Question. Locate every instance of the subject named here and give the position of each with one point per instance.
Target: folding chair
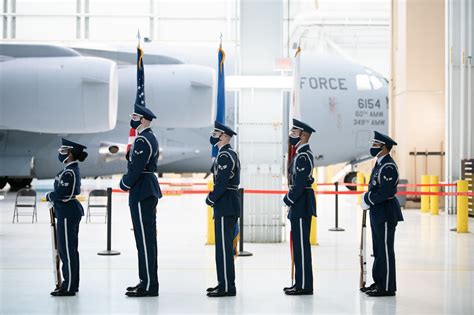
(97, 199)
(25, 199)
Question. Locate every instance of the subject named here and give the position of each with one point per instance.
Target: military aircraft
(87, 93)
(345, 102)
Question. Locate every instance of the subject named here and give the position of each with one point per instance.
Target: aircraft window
(376, 83)
(363, 82)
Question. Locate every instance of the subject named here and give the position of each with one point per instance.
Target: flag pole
(138, 38)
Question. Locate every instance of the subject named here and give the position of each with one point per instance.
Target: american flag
(140, 98)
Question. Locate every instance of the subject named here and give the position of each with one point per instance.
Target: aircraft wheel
(3, 182)
(351, 177)
(19, 183)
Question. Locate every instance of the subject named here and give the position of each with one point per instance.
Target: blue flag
(220, 115)
(140, 99)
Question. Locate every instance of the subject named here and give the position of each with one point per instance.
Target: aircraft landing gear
(19, 183)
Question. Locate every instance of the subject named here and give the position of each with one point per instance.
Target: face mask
(294, 141)
(135, 123)
(214, 140)
(62, 157)
(375, 151)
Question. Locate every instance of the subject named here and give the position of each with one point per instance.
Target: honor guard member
(68, 211)
(385, 213)
(302, 206)
(144, 191)
(226, 203)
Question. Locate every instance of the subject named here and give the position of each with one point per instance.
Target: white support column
(462, 80)
(469, 87)
(13, 19)
(78, 19)
(5, 19)
(86, 19)
(260, 116)
(448, 104)
(459, 47)
(152, 20)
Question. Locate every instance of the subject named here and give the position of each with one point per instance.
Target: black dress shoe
(135, 288)
(289, 288)
(62, 292)
(299, 292)
(372, 287)
(221, 293)
(378, 292)
(141, 293)
(212, 289)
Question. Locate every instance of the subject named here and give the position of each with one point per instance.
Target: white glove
(363, 205)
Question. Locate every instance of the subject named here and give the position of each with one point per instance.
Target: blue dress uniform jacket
(384, 206)
(226, 173)
(300, 197)
(68, 211)
(145, 191)
(140, 178)
(67, 185)
(302, 206)
(226, 203)
(385, 213)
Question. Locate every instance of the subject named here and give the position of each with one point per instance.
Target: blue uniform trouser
(383, 270)
(300, 229)
(68, 241)
(144, 227)
(224, 232)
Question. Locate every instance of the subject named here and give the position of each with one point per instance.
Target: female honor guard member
(385, 213)
(144, 192)
(302, 206)
(68, 211)
(226, 203)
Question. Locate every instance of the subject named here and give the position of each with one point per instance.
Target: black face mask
(62, 157)
(214, 140)
(294, 141)
(375, 151)
(134, 124)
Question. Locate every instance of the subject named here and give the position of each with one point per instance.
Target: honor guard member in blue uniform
(144, 192)
(302, 206)
(226, 203)
(385, 213)
(68, 211)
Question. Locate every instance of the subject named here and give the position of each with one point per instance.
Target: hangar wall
(417, 86)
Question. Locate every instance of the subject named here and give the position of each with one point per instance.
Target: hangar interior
(68, 69)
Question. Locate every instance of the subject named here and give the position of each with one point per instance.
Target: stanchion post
(241, 241)
(462, 207)
(109, 251)
(211, 238)
(434, 199)
(336, 195)
(425, 199)
(313, 234)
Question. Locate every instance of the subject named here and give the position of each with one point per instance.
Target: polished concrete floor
(435, 266)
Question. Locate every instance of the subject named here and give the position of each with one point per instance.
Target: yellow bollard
(425, 199)
(360, 181)
(462, 203)
(434, 199)
(313, 232)
(211, 237)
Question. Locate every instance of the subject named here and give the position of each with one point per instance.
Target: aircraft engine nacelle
(58, 95)
(180, 95)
